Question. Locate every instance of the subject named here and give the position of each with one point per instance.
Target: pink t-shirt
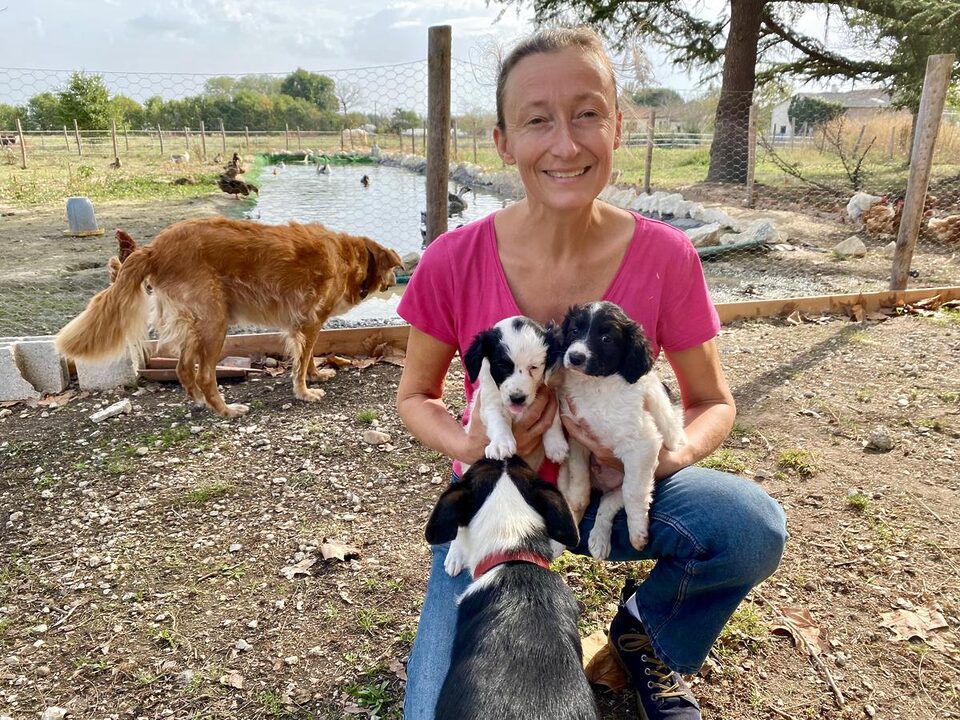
(459, 288)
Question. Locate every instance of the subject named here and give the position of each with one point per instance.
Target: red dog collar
(492, 561)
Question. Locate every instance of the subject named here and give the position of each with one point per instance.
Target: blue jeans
(715, 536)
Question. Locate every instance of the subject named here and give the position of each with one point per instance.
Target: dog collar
(492, 561)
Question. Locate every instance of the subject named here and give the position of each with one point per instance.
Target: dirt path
(141, 560)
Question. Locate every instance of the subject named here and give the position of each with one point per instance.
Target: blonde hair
(549, 41)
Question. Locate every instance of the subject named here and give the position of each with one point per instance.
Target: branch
(793, 169)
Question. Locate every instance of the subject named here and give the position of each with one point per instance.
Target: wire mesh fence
(772, 203)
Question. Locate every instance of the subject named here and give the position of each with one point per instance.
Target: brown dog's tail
(114, 317)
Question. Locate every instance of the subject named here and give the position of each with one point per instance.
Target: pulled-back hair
(549, 41)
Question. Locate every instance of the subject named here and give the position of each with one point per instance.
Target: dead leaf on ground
(600, 663)
(397, 668)
(273, 372)
(802, 622)
(920, 624)
(857, 312)
(232, 679)
(300, 568)
(336, 550)
(57, 400)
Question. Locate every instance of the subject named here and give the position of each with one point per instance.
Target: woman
(715, 536)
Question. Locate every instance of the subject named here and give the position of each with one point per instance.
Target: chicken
(860, 203)
(945, 229)
(116, 164)
(882, 219)
(182, 158)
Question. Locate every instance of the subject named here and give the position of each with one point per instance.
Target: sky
(213, 37)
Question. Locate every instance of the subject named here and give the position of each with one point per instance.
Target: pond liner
(714, 251)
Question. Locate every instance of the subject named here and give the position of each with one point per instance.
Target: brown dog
(209, 273)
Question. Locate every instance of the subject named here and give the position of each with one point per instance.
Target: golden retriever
(209, 273)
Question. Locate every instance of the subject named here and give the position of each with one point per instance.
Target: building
(859, 105)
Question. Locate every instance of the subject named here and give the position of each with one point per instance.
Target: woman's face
(562, 127)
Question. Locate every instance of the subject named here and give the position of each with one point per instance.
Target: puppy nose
(576, 358)
(518, 398)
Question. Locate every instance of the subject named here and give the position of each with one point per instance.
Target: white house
(857, 104)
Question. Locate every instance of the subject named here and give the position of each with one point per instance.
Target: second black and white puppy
(608, 380)
(516, 654)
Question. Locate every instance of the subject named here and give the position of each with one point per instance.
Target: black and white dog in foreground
(511, 360)
(609, 383)
(517, 653)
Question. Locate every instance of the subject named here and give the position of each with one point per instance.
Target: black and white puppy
(516, 654)
(609, 382)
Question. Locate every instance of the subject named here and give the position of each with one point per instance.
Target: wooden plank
(170, 374)
(870, 302)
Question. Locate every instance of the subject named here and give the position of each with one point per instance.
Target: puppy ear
(553, 336)
(446, 517)
(478, 350)
(555, 511)
(637, 361)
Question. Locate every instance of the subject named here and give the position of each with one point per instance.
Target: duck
(455, 202)
(323, 169)
(235, 187)
(365, 181)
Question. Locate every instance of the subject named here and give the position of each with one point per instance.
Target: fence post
(456, 149)
(203, 142)
(286, 136)
(223, 139)
(113, 137)
(126, 140)
(891, 143)
(474, 133)
(299, 143)
(76, 132)
(66, 140)
(438, 122)
(186, 139)
(935, 83)
(160, 135)
(751, 153)
(23, 146)
(651, 128)
(246, 134)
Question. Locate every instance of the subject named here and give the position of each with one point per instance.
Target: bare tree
(348, 95)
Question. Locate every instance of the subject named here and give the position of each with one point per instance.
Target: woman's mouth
(566, 174)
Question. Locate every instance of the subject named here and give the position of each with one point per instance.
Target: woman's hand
(527, 431)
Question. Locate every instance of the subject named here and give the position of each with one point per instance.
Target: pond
(387, 210)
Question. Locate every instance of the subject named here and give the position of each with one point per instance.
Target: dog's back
(517, 651)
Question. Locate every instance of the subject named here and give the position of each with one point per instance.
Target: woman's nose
(564, 140)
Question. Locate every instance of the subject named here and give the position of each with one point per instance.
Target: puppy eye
(606, 339)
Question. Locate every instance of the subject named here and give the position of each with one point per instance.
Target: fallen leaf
(600, 663)
(802, 622)
(397, 668)
(273, 372)
(345, 597)
(336, 550)
(57, 400)
(794, 318)
(857, 312)
(232, 679)
(909, 624)
(300, 568)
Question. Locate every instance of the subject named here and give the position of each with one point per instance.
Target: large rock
(851, 247)
(669, 204)
(758, 231)
(705, 235)
(714, 215)
(13, 386)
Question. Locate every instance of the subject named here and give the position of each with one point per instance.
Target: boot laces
(664, 681)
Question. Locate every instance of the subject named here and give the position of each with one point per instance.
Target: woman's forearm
(429, 420)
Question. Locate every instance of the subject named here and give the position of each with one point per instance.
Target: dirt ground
(167, 563)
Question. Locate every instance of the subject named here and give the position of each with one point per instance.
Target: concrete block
(107, 374)
(42, 366)
(13, 386)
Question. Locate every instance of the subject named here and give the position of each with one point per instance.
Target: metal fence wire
(779, 203)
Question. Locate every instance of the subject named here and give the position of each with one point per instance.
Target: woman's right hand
(528, 431)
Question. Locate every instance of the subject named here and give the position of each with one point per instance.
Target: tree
(9, 115)
(43, 112)
(404, 119)
(86, 100)
(127, 111)
(809, 112)
(317, 89)
(656, 97)
(757, 42)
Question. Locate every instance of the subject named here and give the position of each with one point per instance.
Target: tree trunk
(728, 153)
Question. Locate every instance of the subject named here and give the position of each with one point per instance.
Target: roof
(869, 98)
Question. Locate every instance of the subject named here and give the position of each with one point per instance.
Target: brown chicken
(945, 229)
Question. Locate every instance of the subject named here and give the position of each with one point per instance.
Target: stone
(851, 247)
(705, 235)
(118, 408)
(13, 385)
(42, 366)
(669, 204)
(375, 437)
(107, 375)
(890, 249)
(54, 713)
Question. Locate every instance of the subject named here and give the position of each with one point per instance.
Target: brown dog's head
(381, 263)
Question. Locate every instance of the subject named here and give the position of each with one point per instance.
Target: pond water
(388, 211)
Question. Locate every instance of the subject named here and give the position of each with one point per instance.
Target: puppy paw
(556, 549)
(236, 410)
(599, 543)
(638, 536)
(501, 449)
(455, 562)
(310, 395)
(556, 448)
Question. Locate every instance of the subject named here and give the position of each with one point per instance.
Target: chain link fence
(769, 202)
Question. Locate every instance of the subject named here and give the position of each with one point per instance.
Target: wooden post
(66, 140)
(651, 129)
(474, 133)
(23, 146)
(456, 150)
(223, 140)
(160, 135)
(113, 137)
(751, 153)
(935, 84)
(438, 122)
(286, 136)
(299, 143)
(203, 142)
(892, 142)
(186, 139)
(246, 134)
(126, 140)
(76, 133)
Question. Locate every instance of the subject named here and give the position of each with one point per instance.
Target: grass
(205, 493)
(858, 502)
(373, 694)
(799, 461)
(367, 416)
(744, 630)
(948, 397)
(724, 460)
(369, 619)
